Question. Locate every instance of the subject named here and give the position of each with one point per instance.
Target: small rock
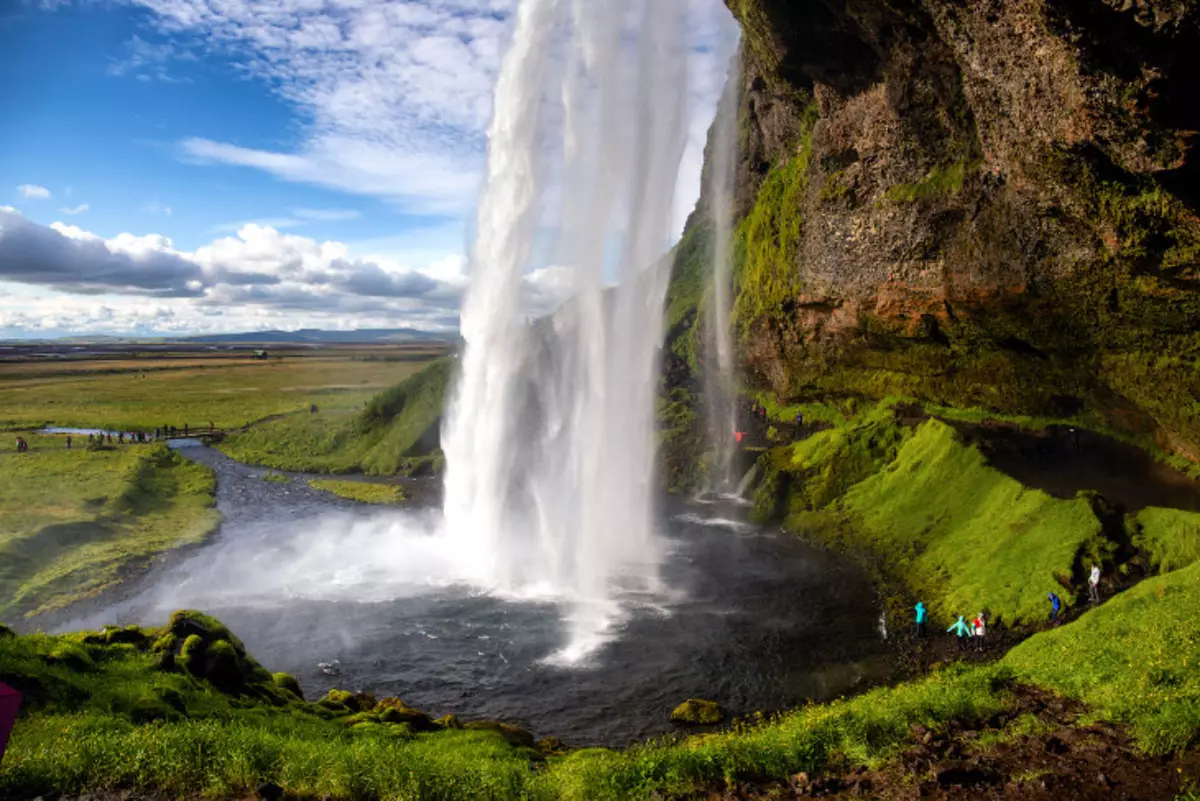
(1105, 781)
(269, 791)
(800, 779)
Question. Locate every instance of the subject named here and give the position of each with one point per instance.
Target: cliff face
(985, 203)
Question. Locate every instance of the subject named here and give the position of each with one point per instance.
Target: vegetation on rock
(699, 712)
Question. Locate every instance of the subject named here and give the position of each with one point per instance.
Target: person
(22, 445)
(68, 442)
(211, 427)
(156, 432)
(738, 435)
(109, 438)
(980, 626)
(91, 439)
(799, 419)
(1055, 605)
(1094, 584)
(960, 630)
(185, 429)
(120, 437)
(922, 615)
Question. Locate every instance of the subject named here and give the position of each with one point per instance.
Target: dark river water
(752, 619)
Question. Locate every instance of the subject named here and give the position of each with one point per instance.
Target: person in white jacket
(1094, 584)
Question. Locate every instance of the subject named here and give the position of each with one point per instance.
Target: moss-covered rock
(222, 666)
(394, 710)
(73, 656)
(514, 735)
(697, 712)
(149, 709)
(448, 722)
(192, 655)
(287, 682)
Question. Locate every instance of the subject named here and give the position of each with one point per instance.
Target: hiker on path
(1055, 605)
(120, 437)
(68, 442)
(185, 429)
(1094, 584)
(962, 631)
(22, 445)
(799, 419)
(922, 616)
(980, 625)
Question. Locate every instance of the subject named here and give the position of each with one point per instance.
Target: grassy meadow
(231, 390)
(73, 523)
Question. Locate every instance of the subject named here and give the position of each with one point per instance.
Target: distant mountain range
(314, 336)
(318, 336)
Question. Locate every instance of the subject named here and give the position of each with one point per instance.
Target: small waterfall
(719, 378)
(747, 481)
(550, 437)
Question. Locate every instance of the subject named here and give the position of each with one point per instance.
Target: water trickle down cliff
(988, 204)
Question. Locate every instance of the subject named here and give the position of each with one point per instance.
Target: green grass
(397, 430)
(73, 523)
(361, 491)
(1170, 536)
(100, 715)
(144, 394)
(1135, 659)
(945, 180)
(967, 535)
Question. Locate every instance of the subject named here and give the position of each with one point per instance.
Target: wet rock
(550, 746)
(394, 710)
(697, 712)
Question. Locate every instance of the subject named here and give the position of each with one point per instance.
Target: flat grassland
(75, 522)
(231, 389)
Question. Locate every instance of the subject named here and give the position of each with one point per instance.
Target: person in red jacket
(979, 625)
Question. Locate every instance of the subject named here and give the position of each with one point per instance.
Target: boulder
(288, 683)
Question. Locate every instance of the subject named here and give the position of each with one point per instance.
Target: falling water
(550, 437)
(719, 377)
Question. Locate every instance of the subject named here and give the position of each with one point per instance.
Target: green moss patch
(1170, 536)
(361, 491)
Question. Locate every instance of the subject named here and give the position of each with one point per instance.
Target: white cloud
(34, 192)
(80, 209)
(156, 208)
(144, 283)
(397, 94)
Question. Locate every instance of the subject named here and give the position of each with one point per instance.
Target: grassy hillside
(396, 432)
(73, 523)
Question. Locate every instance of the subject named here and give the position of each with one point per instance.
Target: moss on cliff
(768, 240)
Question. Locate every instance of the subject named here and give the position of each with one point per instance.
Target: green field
(396, 431)
(73, 523)
(361, 491)
(230, 391)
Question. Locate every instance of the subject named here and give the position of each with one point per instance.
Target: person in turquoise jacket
(922, 616)
(962, 630)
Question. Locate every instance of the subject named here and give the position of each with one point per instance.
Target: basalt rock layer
(989, 203)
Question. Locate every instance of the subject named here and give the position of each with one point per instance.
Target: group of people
(122, 437)
(974, 632)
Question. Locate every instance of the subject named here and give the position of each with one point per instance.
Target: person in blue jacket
(922, 616)
(962, 630)
(1055, 605)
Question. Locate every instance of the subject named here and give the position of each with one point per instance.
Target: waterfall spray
(550, 437)
(719, 378)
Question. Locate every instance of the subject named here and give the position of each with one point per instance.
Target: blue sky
(332, 148)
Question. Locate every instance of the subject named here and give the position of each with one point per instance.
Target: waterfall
(719, 378)
(550, 436)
